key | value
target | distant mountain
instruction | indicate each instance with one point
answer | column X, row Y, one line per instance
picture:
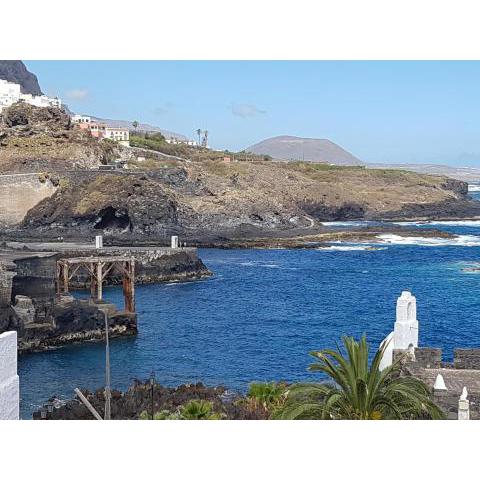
column 310, row 149
column 467, row 174
column 15, row 71
column 142, row 127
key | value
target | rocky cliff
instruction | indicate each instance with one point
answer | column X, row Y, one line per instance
column 35, row 139
column 214, row 199
column 15, row 71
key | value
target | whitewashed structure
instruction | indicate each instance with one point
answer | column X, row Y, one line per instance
column 181, row 141
column 10, row 93
column 99, row 241
column 464, row 405
column 81, row 119
column 9, row 381
column 405, row 331
column 174, row 241
column 118, row 134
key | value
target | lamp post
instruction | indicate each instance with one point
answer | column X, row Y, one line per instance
column 152, row 385
column 107, row 372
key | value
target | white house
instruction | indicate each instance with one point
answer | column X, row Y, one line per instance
column 10, row 93
column 118, row 134
column 81, row 119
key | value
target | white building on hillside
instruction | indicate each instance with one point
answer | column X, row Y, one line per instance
column 177, row 141
column 81, row 119
column 10, row 93
column 118, row 134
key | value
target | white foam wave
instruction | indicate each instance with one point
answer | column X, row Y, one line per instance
column 358, row 223
column 452, row 223
column 460, row 240
column 346, row 248
column 473, row 187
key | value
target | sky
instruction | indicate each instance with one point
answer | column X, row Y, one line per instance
column 387, row 112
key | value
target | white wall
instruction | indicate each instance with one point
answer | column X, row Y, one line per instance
column 405, row 330
column 9, row 381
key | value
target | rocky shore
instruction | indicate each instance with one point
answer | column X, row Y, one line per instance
column 138, row 398
column 43, row 319
column 51, row 323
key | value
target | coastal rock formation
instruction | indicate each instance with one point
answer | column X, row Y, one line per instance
column 15, row 71
column 213, row 199
column 34, row 139
column 138, row 398
column 47, row 323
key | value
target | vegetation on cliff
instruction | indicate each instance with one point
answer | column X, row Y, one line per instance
column 244, row 199
column 34, row 139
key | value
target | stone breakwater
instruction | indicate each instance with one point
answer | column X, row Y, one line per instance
column 29, row 304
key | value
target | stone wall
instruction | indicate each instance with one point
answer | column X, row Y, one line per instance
column 466, row 358
column 5, row 286
column 9, row 381
column 19, row 193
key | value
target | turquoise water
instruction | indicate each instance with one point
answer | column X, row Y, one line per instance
column 264, row 310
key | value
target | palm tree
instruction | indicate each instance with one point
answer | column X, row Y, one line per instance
column 199, row 133
column 135, row 125
column 360, row 391
column 199, row 410
column 268, row 396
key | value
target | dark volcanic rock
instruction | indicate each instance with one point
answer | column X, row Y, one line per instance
column 138, row 398
column 15, row 71
column 24, row 119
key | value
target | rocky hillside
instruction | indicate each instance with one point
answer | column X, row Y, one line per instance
column 34, row 139
column 16, row 72
column 213, row 199
column 308, row 149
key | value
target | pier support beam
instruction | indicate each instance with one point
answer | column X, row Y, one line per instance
column 98, row 269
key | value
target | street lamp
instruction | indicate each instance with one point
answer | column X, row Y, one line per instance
column 152, row 385
column 107, row 371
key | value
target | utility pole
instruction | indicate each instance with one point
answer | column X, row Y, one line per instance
column 108, row 393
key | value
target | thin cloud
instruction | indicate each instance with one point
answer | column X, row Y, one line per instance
column 246, row 110
column 167, row 107
column 77, row 94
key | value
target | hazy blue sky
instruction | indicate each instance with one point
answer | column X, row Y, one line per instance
column 380, row 111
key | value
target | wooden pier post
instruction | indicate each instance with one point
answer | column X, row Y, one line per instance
column 95, row 267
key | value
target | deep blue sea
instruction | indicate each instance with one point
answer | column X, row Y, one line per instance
column 264, row 310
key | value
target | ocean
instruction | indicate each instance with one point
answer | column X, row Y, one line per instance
column 261, row 313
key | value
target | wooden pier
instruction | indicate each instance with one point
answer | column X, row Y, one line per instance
column 98, row 268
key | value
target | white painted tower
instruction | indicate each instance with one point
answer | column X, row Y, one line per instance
column 405, row 331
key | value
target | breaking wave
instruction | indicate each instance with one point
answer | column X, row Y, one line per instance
column 451, row 223
column 346, row 248
column 357, row 223
column 460, row 240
